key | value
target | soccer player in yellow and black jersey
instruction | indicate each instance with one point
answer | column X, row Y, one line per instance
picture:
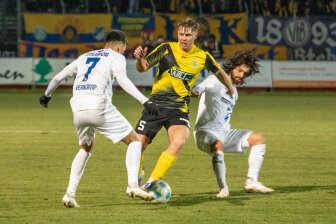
column 179, row 64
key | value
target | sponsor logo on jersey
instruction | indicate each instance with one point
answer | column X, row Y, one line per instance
column 226, row 101
column 180, row 74
column 86, row 87
column 194, row 63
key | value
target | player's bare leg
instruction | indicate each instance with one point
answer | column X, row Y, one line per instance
column 77, row 170
column 256, row 157
column 178, row 135
column 133, row 155
column 219, row 168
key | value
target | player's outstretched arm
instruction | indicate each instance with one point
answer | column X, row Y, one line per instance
column 54, row 83
column 226, row 80
column 199, row 89
column 141, row 63
column 127, row 85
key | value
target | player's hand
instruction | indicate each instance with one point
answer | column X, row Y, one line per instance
column 44, row 100
column 140, row 53
column 152, row 108
column 194, row 94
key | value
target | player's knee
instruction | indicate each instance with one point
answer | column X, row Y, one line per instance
column 256, row 139
column 216, row 146
column 177, row 144
column 144, row 142
column 131, row 137
column 88, row 148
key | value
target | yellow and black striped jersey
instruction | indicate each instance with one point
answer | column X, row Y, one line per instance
column 176, row 74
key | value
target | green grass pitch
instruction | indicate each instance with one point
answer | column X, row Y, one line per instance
column 38, row 146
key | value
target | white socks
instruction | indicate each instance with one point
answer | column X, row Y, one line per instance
column 255, row 161
column 133, row 156
column 219, row 168
column 77, row 170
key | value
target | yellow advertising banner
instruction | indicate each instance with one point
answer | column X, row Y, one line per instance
column 227, row 28
column 68, row 28
column 35, row 49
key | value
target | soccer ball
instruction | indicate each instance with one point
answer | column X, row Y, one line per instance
column 161, row 190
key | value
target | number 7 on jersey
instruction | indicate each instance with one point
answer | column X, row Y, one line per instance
column 94, row 63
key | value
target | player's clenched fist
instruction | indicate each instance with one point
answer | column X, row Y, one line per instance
column 140, row 53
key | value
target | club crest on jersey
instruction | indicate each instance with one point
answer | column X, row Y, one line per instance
column 194, row 63
column 180, row 74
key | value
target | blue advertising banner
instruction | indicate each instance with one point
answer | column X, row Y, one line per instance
column 138, row 29
column 301, row 32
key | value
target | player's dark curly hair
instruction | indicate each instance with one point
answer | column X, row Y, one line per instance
column 243, row 56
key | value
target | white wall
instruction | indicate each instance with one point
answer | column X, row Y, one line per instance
column 27, row 71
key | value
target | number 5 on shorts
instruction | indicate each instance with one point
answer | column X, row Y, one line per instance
column 141, row 125
column 88, row 60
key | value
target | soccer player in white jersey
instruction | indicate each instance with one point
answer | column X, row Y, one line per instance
column 92, row 109
column 212, row 132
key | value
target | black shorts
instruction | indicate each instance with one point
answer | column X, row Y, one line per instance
column 150, row 127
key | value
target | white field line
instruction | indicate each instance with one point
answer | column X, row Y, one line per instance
column 63, row 132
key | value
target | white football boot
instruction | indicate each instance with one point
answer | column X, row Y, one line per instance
column 224, row 192
column 69, row 201
column 137, row 192
column 257, row 187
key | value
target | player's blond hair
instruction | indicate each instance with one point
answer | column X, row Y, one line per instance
column 188, row 23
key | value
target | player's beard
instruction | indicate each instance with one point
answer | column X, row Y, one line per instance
column 235, row 81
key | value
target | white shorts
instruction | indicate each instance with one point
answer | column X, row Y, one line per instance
column 109, row 122
column 234, row 141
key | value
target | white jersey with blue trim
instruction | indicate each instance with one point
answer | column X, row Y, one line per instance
column 215, row 106
column 96, row 71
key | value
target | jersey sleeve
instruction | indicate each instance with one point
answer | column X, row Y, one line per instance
column 211, row 64
column 73, row 66
column 156, row 55
column 67, row 72
column 208, row 83
column 119, row 72
column 119, row 66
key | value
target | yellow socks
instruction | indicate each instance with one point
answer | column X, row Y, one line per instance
column 141, row 164
column 163, row 165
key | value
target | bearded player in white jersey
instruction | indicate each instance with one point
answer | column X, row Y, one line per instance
column 213, row 134
column 92, row 109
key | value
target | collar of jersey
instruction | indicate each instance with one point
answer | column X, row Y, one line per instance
column 182, row 52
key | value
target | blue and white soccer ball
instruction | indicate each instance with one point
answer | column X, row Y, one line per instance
column 161, row 190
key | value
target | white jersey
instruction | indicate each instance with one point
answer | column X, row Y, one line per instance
column 215, row 106
column 96, row 72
